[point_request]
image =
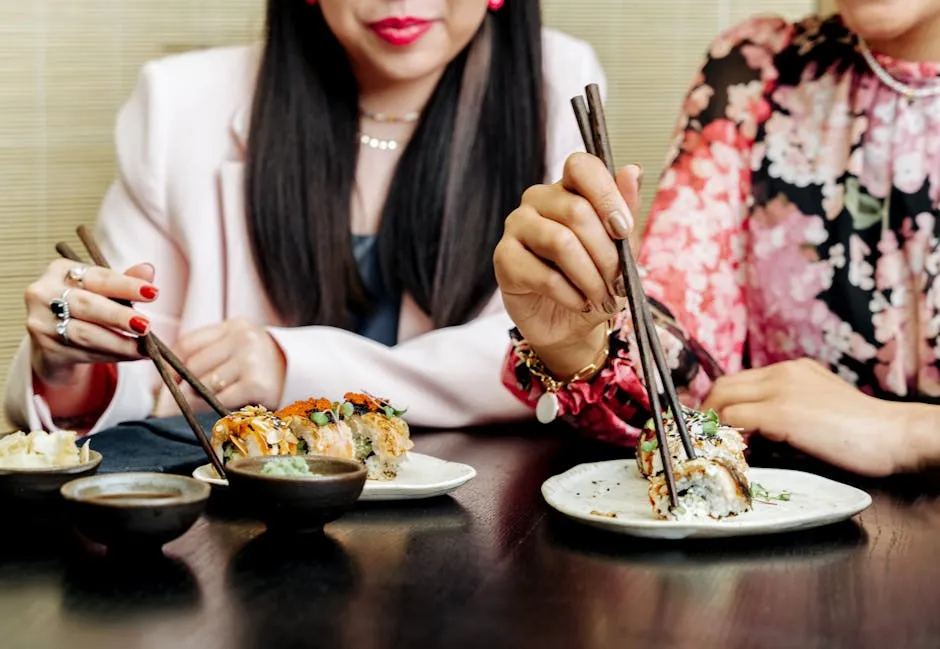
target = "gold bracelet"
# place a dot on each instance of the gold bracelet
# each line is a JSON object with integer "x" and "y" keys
{"x": 547, "y": 408}
{"x": 551, "y": 383}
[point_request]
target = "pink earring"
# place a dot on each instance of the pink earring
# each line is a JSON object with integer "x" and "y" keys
{"x": 496, "y": 5}
{"x": 311, "y": 2}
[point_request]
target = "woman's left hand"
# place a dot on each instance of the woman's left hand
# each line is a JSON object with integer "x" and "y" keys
{"x": 805, "y": 405}
{"x": 240, "y": 362}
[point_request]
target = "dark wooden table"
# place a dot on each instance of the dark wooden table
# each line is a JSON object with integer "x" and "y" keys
{"x": 490, "y": 567}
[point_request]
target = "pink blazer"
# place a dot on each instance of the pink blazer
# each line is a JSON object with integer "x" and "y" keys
{"x": 178, "y": 204}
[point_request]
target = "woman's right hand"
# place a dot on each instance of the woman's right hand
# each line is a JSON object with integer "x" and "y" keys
{"x": 557, "y": 263}
{"x": 99, "y": 330}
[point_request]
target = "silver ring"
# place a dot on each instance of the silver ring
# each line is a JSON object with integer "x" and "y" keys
{"x": 77, "y": 274}
{"x": 62, "y": 329}
{"x": 60, "y": 306}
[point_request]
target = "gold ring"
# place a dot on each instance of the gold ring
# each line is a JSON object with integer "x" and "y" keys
{"x": 217, "y": 384}
{"x": 77, "y": 274}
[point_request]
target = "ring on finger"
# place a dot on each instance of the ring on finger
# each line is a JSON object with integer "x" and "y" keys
{"x": 60, "y": 306}
{"x": 217, "y": 383}
{"x": 77, "y": 274}
{"x": 62, "y": 330}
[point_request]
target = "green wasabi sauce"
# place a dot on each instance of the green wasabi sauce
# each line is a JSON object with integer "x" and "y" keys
{"x": 288, "y": 466}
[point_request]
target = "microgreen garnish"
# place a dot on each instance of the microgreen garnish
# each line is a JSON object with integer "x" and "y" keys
{"x": 649, "y": 445}
{"x": 392, "y": 412}
{"x": 710, "y": 425}
{"x": 320, "y": 418}
{"x": 759, "y": 492}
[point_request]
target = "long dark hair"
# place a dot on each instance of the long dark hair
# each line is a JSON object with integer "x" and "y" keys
{"x": 479, "y": 144}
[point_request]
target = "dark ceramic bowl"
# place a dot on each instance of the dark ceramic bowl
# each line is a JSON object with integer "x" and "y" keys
{"x": 296, "y": 504}
{"x": 35, "y": 486}
{"x": 135, "y": 509}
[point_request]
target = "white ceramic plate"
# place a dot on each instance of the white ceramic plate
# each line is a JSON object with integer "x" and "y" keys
{"x": 613, "y": 496}
{"x": 419, "y": 476}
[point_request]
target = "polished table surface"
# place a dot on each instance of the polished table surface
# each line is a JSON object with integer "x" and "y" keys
{"x": 490, "y": 566}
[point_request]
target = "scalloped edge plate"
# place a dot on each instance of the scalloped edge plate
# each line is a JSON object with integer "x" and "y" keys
{"x": 419, "y": 476}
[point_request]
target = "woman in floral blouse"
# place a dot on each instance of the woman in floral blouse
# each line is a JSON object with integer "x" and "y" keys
{"x": 797, "y": 220}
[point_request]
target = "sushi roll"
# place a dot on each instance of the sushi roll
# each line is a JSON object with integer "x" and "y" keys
{"x": 251, "y": 432}
{"x": 317, "y": 425}
{"x": 380, "y": 436}
{"x": 707, "y": 488}
{"x": 709, "y": 438}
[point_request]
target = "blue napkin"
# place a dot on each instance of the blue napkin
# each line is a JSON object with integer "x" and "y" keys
{"x": 163, "y": 445}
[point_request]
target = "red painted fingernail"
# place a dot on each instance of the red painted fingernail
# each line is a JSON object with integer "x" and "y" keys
{"x": 139, "y": 324}
{"x": 149, "y": 292}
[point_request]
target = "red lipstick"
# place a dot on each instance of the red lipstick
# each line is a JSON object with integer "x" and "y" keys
{"x": 401, "y": 31}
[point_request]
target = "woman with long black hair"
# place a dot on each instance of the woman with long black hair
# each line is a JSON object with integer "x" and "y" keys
{"x": 314, "y": 216}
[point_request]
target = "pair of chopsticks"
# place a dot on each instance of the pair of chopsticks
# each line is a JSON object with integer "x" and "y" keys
{"x": 161, "y": 355}
{"x": 593, "y": 126}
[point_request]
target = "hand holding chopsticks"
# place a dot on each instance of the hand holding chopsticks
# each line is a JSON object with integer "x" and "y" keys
{"x": 162, "y": 357}
{"x": 593, "y": 126}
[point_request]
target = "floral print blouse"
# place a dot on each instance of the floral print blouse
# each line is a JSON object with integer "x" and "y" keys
{"x": 797, "y": 218}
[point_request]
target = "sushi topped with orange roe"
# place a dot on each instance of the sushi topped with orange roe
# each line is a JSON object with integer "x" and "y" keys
{"x": 319, "y": 428}
{"x": 380, "y": 435}
{"x": 361, "y": 427}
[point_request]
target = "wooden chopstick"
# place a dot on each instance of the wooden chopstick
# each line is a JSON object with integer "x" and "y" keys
{"x": 598, "y": 123}
{"x": 156, "y": 355}
{"x": 584, "y": 123}
{"x": 593, "y": 125}
{"x": 198, "y": 387}
{"x": 164, "y": 369}
{"x": 672, "y": 396}
{"x": 601, "y": 137}
{"x": 67, "y": 252}
{"x": 602, "y": 143}
{"x": 635, "y": 298}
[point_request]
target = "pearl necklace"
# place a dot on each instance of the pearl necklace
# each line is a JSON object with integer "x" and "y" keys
{"x": 384, "y": 118}
{"x": 891, "y": 82}
{"x": 378, "y": 143}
